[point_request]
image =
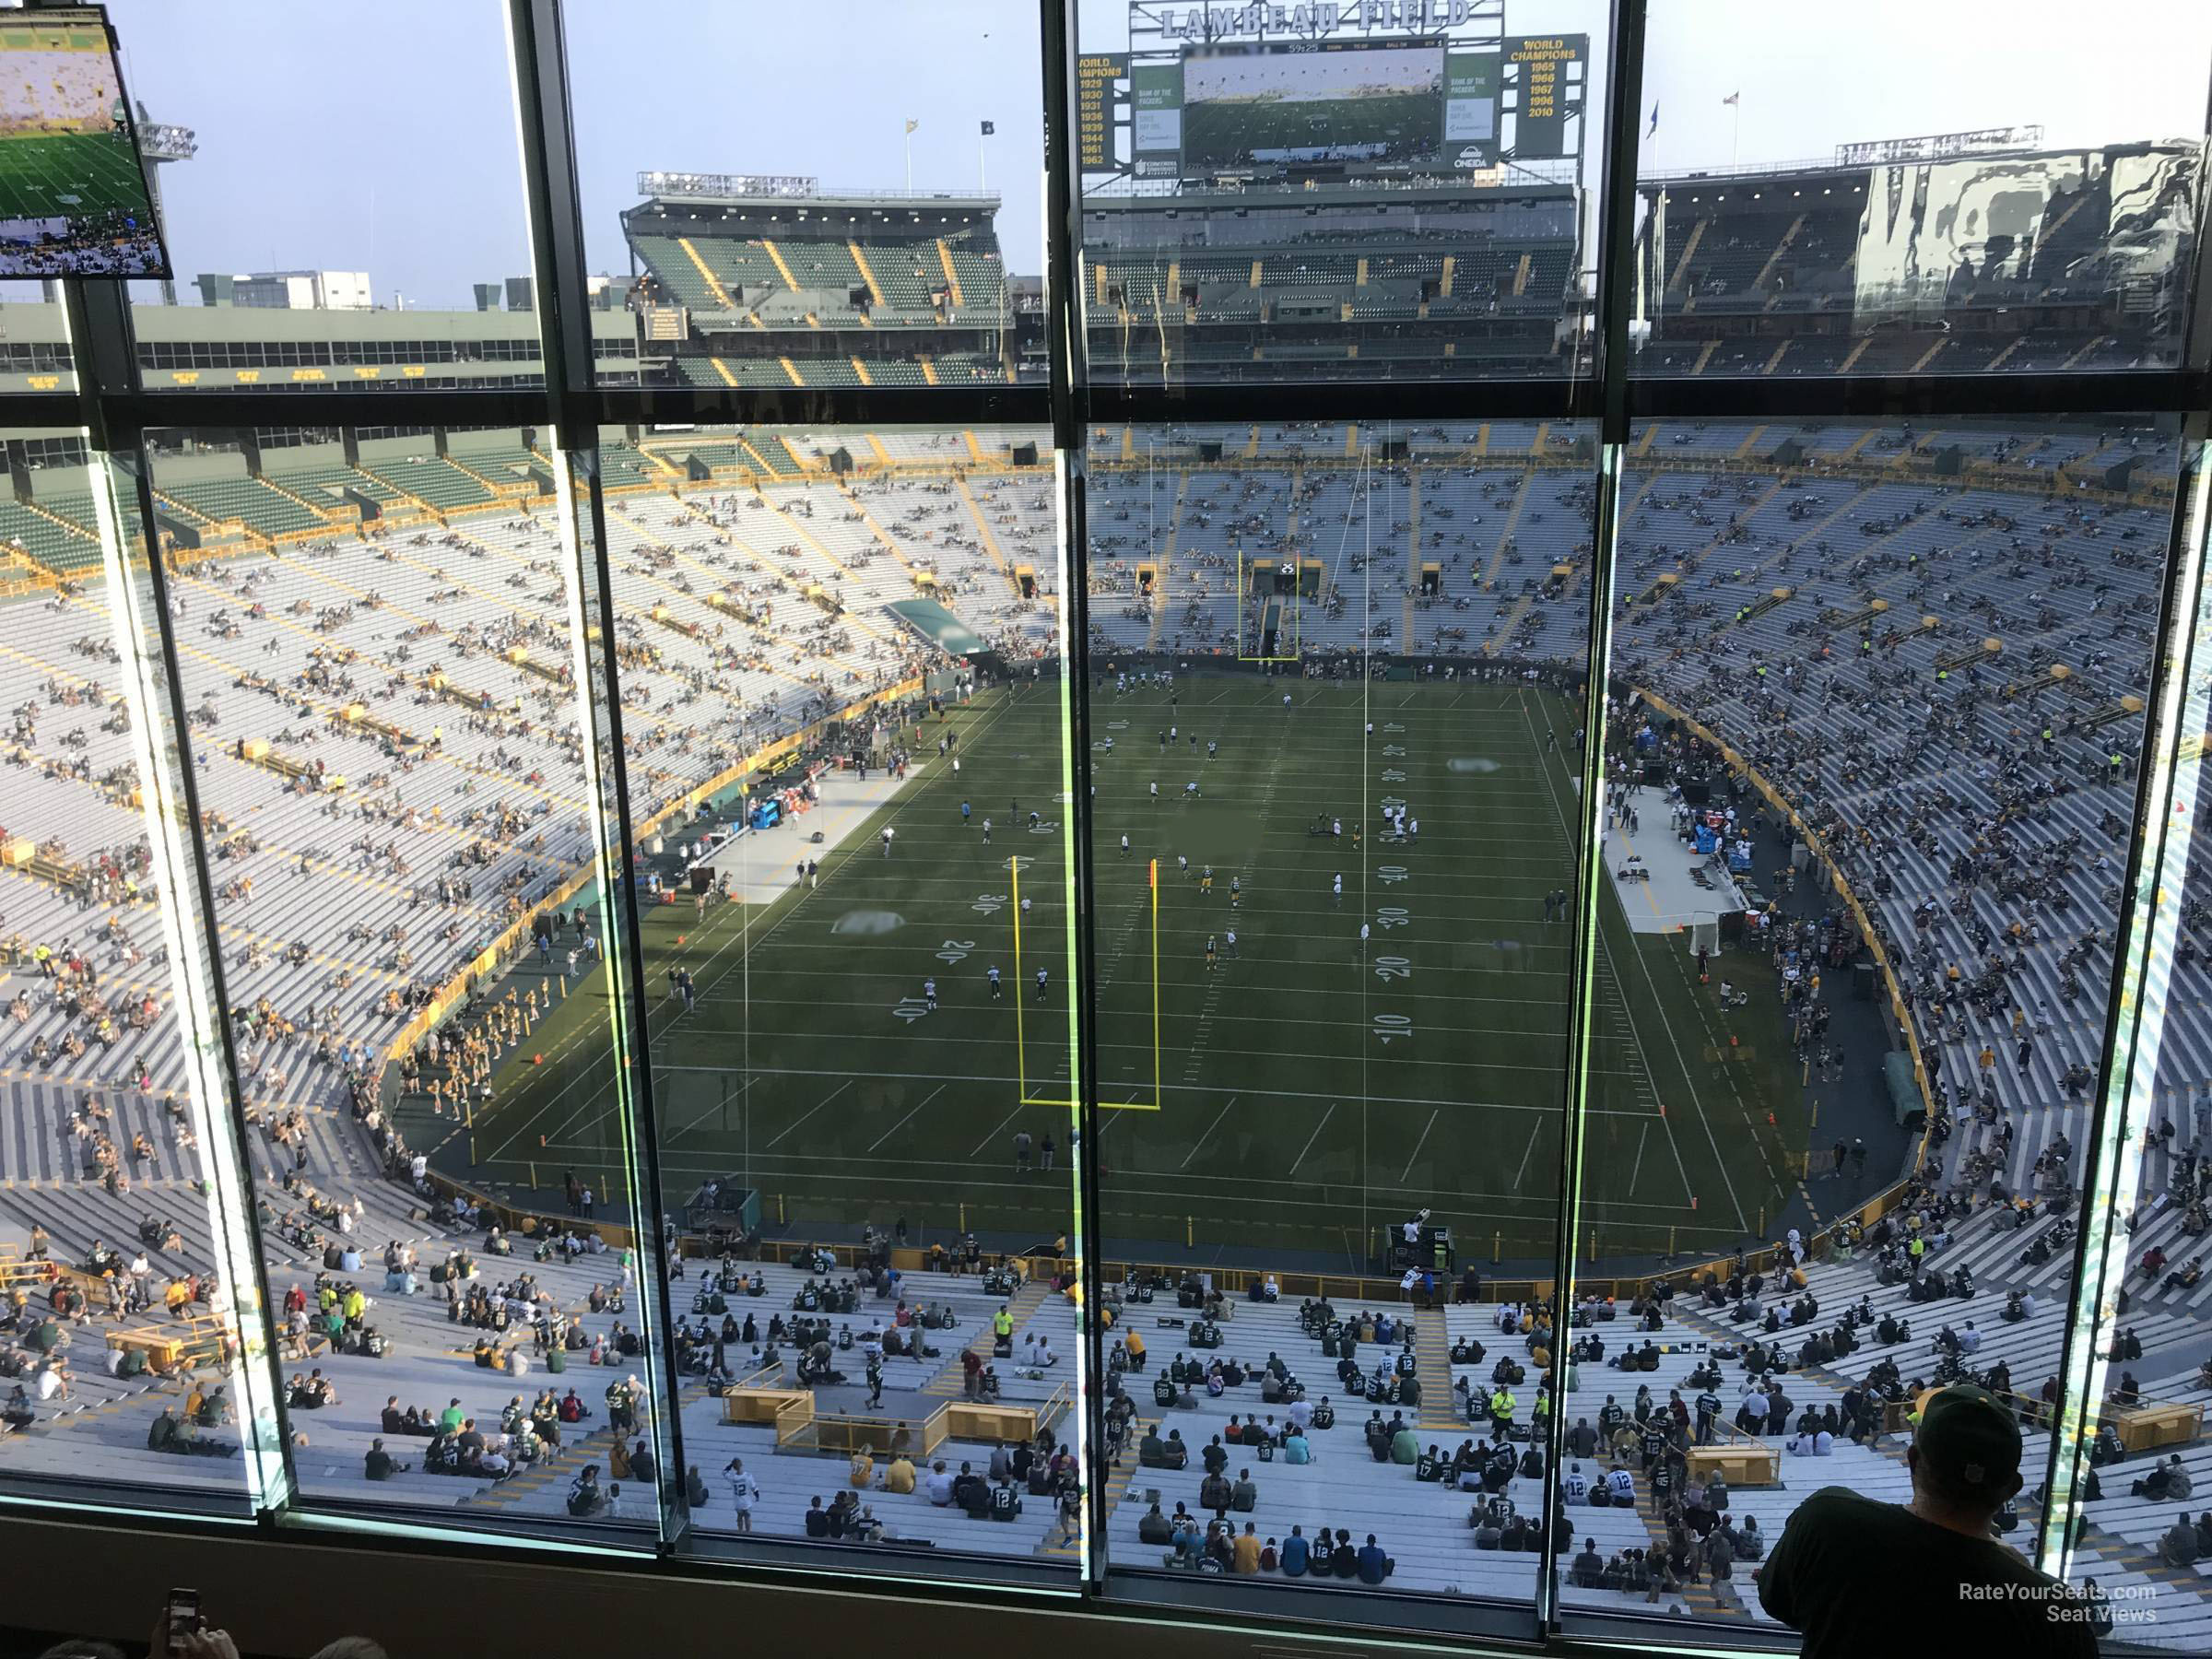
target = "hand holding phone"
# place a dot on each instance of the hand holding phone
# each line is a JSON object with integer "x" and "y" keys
{"x": 181, "y": 1617}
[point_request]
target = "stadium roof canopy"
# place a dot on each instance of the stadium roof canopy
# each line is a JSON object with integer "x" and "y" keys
{"x": 939, "y": 626}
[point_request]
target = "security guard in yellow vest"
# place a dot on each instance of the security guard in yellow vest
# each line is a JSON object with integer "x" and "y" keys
{"x": 1502, "y": 1410}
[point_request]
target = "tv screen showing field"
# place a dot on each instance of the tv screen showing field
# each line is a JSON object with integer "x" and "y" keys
{"x": 73, "y": 193}
{"x": 1372, "y": 106}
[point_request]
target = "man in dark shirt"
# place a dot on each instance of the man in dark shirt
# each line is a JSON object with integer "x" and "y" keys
{"x": 1944, "y": 1583}
{"x": 1344, "y": 1562}
{"x": 1374, "y": 1565}
{"x": 378, "y": 1464}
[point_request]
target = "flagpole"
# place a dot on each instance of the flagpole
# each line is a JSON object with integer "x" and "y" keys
{"x": 983, "y": 180}
{"x": 909, "y": 157}
{"x": 1735, "y": 144}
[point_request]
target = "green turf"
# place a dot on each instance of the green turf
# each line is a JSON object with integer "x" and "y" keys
{"x": 1226, "y": 132}
{"x": 98, "y": 168}
{"x": 1304, "y": 1091}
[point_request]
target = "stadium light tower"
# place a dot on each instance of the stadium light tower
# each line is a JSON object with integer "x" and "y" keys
{"x": 160, "y": 143}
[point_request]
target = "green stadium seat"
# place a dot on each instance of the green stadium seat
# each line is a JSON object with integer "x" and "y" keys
{"x": 434, "y": 480}
{"x": 60, "y": 547}
{"x": 246, "y": 500}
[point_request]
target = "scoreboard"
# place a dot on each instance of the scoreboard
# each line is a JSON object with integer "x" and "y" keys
{"x": 1340, "y": 108}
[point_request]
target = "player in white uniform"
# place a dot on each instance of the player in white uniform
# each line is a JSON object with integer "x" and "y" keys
{"x": 929, "y": 993}
{"x": 996, "y": 990}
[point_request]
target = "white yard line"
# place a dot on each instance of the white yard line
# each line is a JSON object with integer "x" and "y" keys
{"x": 1203, "y": 1139}
{"x": 1533, "y": 1136}
{"x": 902, "y": 1123}
{"x": 810, "y": 1111}
{"x": 1283, "y": 1094}
{"x": 735, "y": 1095}
{"x": 1315, "y": 1137}
{"x": 995, "y": 1133}
{"x": 1422, "y": 1142}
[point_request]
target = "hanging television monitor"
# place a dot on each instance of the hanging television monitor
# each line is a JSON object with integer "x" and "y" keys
{"x": 74, "y": 197}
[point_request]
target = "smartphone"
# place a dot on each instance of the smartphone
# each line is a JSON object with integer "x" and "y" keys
{"x": 185, "y": 1613}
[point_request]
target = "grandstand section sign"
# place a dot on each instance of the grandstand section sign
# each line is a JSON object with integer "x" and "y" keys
{"x": 726, "y": 184}
{"x": 1938, "y": 147}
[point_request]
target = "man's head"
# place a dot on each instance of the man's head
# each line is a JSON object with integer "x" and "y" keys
{"x": 1966, "y": 1453}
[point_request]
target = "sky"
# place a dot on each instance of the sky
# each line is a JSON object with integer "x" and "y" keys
{"x": 341, "y": 135}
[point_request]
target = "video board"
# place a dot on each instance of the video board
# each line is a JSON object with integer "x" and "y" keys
{"x": 1355, "y": 107}
{"x": 74, "y": 197}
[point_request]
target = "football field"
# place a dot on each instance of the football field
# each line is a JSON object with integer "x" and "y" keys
{"x": 70, "y": 175}
{"x": 1302, "y": 1089}
{"x": 1228, "y": 131}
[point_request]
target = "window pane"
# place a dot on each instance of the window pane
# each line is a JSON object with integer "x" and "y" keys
{"x": 1400, "y": 199}
{"x": 379, "y": 639}
{"x": 1878, "y": 695}
{"x": 380, "y": 206}
{"x": 123, "y": 1203}
{"x": 2144, "y": 1277}
{"x": 899, "y": 245}
{"x": 1875, "y": 215}
{"x": 1335, "y": 710}
{"x": 35, "y": 344}
{"x": 841, "y": 708}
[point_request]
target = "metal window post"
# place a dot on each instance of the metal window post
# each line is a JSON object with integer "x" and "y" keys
{"x": 1624, "y": 87}
{"x": 102, "y": 345}
{"x": 548, "y": 140}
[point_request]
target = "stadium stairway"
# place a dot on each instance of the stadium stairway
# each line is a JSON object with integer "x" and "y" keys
{"x": 946, "y": 1384}
{"x": 1413, "y": 554}
{"x": 982, "y": 526}
{"x": 1165, "y": 564}
{"x": 1432, "y": 1369}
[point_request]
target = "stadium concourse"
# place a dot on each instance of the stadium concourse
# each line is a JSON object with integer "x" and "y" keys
{"x": 421, "y": 656}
